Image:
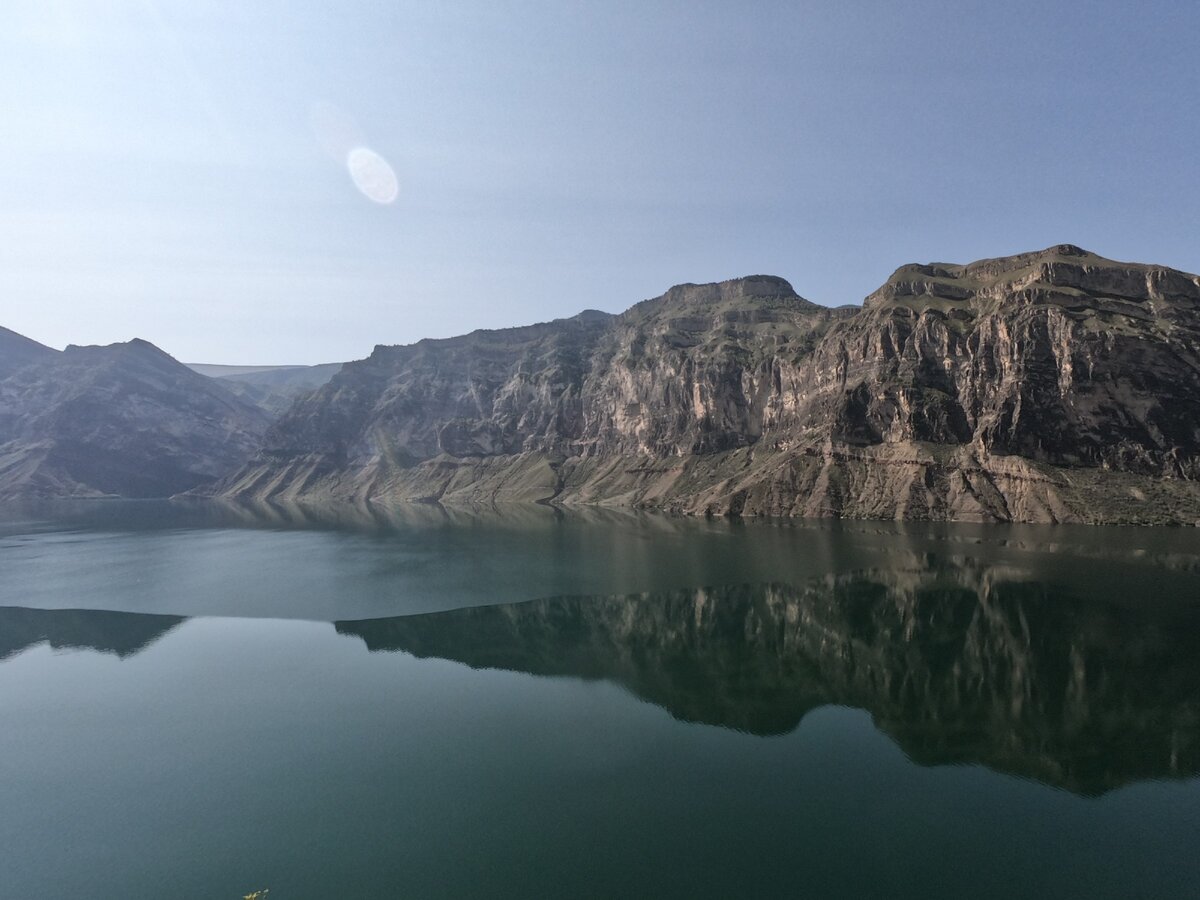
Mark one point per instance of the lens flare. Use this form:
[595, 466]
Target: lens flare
[372, 175]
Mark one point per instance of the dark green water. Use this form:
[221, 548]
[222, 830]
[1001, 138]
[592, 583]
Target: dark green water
[201, 702]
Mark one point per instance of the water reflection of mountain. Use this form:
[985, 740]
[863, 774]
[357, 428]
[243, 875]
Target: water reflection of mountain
[968, 665]
[119, 633]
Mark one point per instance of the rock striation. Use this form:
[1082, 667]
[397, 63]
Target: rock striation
[1055, 386]
[123, 420]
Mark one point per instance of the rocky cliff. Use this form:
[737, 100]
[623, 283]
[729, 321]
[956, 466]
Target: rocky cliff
[958, 663]
[1045, 387]
[123, 420]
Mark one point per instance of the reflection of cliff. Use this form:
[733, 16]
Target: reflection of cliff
[80, 629]
[962, 666]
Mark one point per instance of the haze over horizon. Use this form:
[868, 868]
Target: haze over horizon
[230, 182]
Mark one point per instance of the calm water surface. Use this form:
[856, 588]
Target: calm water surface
[203, 701]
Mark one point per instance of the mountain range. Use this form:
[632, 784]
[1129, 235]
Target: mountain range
[125, 420]
[1055, 386]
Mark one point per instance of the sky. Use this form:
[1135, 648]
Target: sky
[286, 182]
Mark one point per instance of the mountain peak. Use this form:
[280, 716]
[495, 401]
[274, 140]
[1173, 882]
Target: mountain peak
[746, 287]
[134, 347]
[125, 420]
[1052, 271]
[750, 289]
[1068, 250]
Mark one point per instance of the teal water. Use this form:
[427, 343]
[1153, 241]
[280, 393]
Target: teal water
[202, 701]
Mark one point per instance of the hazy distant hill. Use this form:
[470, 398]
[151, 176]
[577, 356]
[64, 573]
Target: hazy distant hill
[1049, 386]
[123, 420]
[271, 388]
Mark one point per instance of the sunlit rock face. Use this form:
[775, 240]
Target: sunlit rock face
[1059, 357]
[1050, 386]
[124, 420]
[957, 663]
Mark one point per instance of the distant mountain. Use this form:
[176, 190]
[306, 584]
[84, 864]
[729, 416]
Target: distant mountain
[271, 388]
[1055, 386]
[123, 420]
[17, 351]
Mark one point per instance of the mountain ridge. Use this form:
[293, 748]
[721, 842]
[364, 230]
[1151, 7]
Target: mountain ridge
[17, 351]
[1049, 386]
[119, 420]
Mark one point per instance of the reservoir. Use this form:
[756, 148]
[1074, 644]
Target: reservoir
[205, 701]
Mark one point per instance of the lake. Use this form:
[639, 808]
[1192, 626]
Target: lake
[203, 701]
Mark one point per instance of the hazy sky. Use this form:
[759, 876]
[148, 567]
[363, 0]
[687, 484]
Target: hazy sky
[161, 175]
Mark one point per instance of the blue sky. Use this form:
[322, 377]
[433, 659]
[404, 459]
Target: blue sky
[161, 177]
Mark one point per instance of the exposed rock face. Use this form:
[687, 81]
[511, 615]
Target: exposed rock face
[1050, 386]
[123, 420]
[1059, 357]
[958, 664]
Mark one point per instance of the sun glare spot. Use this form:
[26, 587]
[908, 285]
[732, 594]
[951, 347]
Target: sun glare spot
[372, 175]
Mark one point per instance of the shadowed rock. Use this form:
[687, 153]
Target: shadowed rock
[124, 420]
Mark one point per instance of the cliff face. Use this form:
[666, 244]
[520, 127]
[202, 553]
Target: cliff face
[959, 664]
[123, 420]
[1059, 357]
[1050, 386]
